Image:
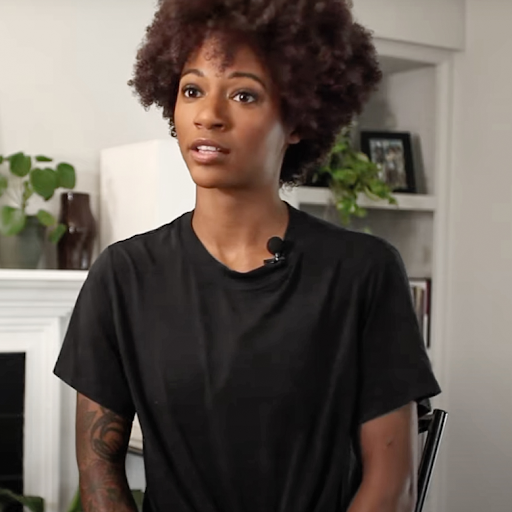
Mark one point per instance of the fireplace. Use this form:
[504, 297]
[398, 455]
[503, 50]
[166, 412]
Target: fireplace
[12, 408]
[35, 410]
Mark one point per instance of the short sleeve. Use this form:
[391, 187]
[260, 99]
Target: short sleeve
[90, 360]
[395, 367]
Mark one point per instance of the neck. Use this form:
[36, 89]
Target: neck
[238, 221]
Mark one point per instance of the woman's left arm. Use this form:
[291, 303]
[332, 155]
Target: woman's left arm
[389, 447]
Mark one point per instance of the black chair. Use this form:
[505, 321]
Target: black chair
[433, 426]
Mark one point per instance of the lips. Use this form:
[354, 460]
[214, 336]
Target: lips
[209, 143]
[209, 152]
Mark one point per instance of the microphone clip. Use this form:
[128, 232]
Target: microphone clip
[278, 258]
[276, 247]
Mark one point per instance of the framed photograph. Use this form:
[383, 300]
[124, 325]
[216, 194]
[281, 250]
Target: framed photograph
[392, 153]
[421, 292]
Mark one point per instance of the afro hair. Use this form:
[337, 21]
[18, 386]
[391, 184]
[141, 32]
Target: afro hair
[323, 63]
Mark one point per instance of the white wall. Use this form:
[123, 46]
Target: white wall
[430, 22]
[479, 386]
[64, 67]
[63, 72]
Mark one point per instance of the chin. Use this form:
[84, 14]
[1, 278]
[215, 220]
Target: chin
[211, 177]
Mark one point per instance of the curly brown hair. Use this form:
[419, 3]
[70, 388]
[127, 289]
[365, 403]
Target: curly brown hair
[323, 63]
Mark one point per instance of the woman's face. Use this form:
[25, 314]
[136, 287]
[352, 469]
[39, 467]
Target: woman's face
[237, 110]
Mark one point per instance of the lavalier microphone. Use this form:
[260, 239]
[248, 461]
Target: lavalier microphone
[275, 246]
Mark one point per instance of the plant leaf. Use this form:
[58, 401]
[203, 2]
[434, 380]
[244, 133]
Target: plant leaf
[75, 505]
[44, 182]
[56, 234]
[360, 212]
[3, 184]
[1, 159]
[20, 164]
[138, 496]
[12, 220]
[363, 157]
[33, 503]
[46, 218]
[41, 158]
[67, 175]
[28, 191]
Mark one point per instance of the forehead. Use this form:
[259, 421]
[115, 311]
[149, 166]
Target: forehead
[223, 55]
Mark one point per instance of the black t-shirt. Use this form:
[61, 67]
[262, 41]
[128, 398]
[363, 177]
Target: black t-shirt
[249, 387]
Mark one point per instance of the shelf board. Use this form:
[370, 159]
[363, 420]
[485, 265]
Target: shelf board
[323, 196]
[42, 275]
[391, 65]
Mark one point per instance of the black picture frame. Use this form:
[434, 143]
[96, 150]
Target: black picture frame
[421, 290]
[392, 152]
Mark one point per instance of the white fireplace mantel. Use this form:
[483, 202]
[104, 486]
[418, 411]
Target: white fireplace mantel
[35, 306]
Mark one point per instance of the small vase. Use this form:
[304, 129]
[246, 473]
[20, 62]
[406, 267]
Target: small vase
[25, 249]
[74, 250]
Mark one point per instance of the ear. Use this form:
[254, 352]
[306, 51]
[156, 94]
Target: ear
[293, 138]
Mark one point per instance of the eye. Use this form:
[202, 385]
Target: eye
[247, 97]
[190, 88]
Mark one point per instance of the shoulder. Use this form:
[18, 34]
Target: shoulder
[140, 253]
[335, 244]
[150, 245]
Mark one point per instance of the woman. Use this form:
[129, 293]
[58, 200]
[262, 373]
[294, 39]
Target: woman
[288, 385]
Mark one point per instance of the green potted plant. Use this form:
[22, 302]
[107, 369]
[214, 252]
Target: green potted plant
[22, 234]
[350, 173]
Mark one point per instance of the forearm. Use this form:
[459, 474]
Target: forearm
[104, 488]
[370, 499]
[389, 457]
[101, 444]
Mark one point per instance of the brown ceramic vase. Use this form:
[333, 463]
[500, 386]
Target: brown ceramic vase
[75, 248]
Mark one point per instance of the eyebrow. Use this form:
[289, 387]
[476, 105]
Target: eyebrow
[235, 74]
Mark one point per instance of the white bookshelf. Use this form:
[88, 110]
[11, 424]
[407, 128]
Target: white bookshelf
[416, 97]
[320, 196]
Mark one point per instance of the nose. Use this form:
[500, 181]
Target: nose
[211, 113]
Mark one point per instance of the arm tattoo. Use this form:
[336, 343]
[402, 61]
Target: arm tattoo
[101, 444]
[108, 436]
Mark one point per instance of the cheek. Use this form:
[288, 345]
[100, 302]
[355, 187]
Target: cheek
[262, 132]
[271, 139]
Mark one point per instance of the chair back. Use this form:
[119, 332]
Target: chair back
[432, 425]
